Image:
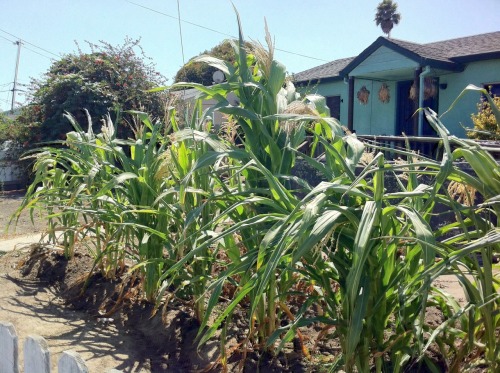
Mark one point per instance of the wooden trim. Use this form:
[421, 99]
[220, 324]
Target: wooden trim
[350, 108]
[416, 82]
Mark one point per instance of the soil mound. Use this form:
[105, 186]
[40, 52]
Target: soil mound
[163, 340]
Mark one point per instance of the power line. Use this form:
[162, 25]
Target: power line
[181, 20]
[31, 50]
[50, 58]
[219, 32]
[27, 42]
[10, 41]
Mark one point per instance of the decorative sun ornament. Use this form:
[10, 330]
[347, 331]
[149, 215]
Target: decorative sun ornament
[383, 93]
[430, 90]
[363, 95]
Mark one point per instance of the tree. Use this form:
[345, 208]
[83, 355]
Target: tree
[10, 131]
[107, 79]
[198, 72]
[6, 127]
[387, 16]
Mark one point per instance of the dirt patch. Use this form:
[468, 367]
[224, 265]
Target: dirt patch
[9, 203]
[108, 322]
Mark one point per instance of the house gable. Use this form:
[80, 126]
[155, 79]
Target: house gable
[385, 63]
[403, 52]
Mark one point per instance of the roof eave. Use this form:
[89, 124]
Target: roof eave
[381, 41]
[362, 56]
[328, 79]
[477, 57]
[437, 64]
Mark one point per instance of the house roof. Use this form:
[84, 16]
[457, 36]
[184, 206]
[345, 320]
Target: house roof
[327, 71]
[476, 45]
[447, 54]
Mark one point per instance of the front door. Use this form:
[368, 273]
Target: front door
[406, 108]
[333, 103]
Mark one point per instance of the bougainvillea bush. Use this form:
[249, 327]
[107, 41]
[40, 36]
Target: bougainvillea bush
[105, 79]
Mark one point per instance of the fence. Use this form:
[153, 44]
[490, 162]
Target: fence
[394, 146]
[13, 173]
[36, 355]
[432, 147]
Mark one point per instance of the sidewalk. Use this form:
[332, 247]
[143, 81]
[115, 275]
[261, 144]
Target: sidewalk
[18, 242]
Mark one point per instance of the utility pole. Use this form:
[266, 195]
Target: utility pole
[14, 89]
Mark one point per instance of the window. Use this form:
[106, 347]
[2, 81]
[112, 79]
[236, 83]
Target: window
[493, 88]
[333, 103]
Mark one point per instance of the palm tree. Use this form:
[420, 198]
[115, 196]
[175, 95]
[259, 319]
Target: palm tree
[387, 16]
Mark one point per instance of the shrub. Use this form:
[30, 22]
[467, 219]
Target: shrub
[109, 78]
[10, 129]
[198, 72]
[486, 126]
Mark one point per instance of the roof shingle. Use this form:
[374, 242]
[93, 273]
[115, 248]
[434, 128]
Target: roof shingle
[469, 45]
[327, 70]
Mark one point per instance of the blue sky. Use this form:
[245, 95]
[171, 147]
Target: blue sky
[324, 30]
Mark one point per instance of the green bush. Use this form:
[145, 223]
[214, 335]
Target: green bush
[107, 79]
[486, 126]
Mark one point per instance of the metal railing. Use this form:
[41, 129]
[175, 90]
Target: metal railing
[431, 147]
[394, 147]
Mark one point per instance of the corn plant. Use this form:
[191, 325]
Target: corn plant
[268, 217]
[257, 81]
[144, 212]
[471, 250]
[109, 190]
[64, 179]
[196, 189]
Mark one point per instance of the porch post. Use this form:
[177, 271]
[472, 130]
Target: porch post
[350, 108]
[416, 83]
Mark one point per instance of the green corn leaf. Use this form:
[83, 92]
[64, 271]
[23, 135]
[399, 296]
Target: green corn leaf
[483, 91]
[239, 296]
[115, 182]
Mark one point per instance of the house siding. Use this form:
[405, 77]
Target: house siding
[383, 60]
[477, 73]
[338, 88]
[374, 118]
[377, 118]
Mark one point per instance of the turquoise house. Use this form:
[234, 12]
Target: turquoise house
[378, 91]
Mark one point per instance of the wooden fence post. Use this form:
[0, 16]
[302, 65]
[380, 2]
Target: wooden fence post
[36, 355]
[9, 348]
[71, 362]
